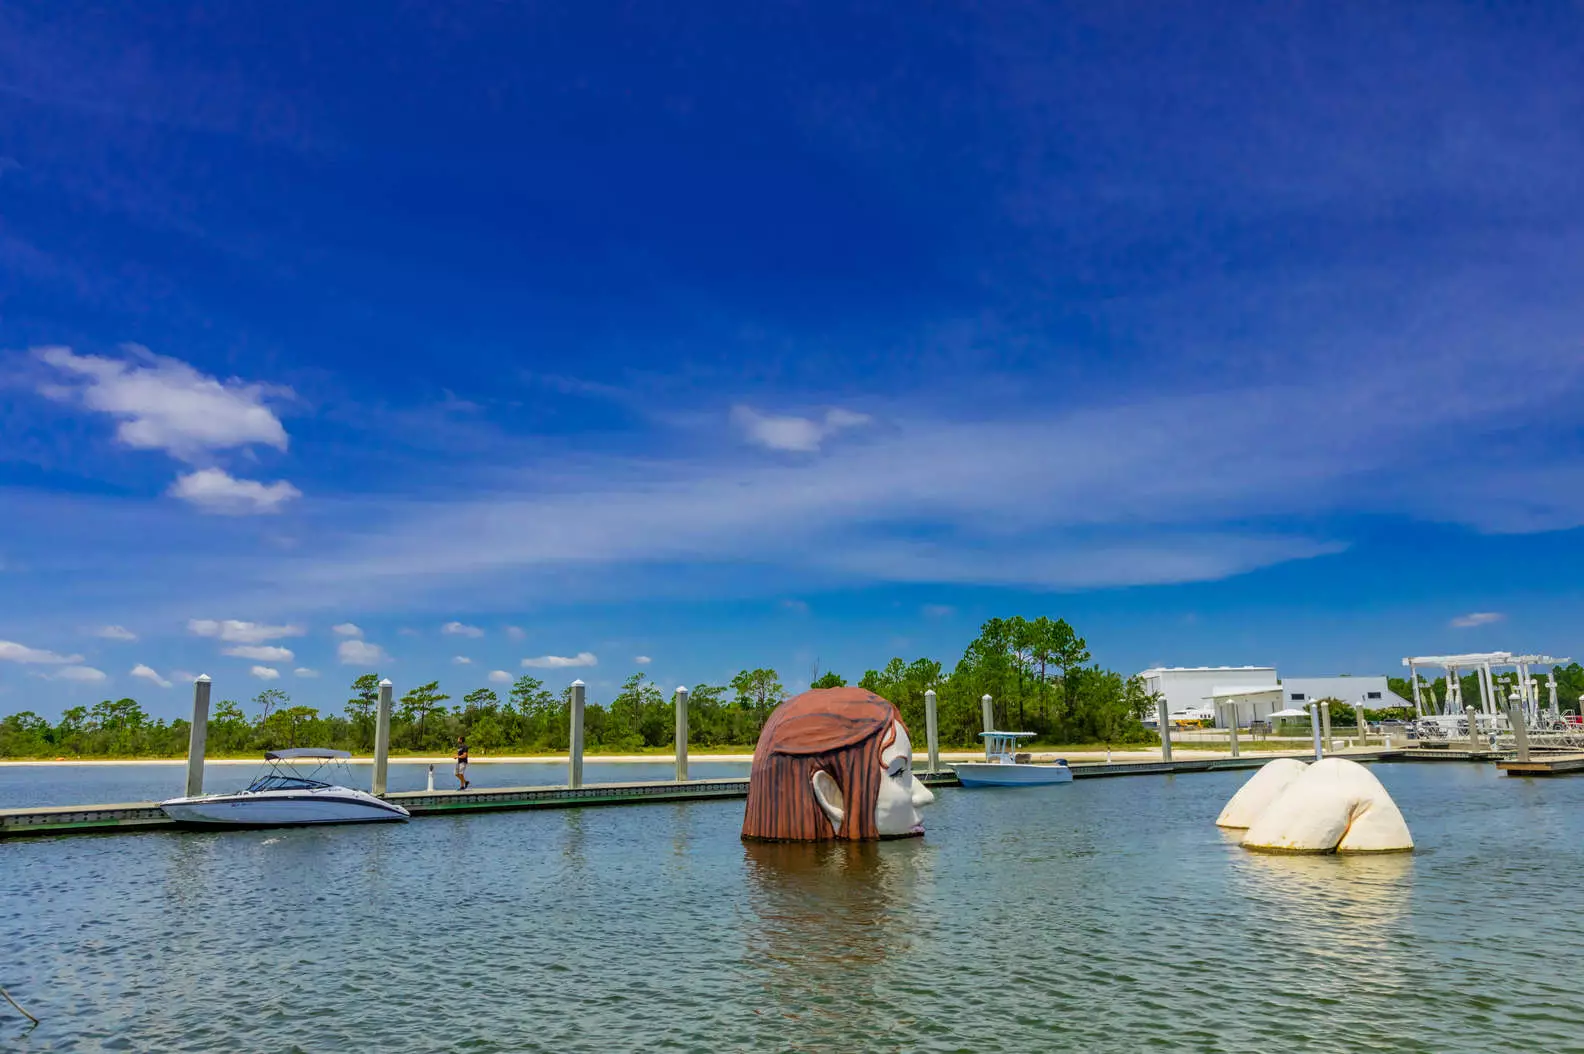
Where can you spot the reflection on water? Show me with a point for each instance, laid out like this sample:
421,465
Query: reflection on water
1103,915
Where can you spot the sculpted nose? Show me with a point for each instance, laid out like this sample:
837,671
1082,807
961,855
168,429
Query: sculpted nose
922,795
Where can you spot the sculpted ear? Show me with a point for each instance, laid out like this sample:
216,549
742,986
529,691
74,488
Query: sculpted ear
829,796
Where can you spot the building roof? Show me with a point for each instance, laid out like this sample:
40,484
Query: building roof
1202,669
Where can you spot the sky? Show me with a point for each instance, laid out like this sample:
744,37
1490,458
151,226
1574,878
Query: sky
588,339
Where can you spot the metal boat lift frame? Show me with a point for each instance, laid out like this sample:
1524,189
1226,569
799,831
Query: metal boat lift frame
1482,663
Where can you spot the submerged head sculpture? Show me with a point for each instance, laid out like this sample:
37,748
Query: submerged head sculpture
834,763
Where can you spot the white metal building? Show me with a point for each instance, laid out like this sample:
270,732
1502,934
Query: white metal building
1213,691
1371,691
1240,694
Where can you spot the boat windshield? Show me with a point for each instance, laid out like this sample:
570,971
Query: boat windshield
277,782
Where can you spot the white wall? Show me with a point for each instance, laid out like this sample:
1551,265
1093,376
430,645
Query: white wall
1189,688
1348,689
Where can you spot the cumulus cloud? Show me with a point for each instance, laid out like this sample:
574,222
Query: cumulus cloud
500,677
800,434
461,660
115,633
560,662
1477,618
360,653
261,652
459,629
237,632
82,674
11,651
165,404
347,629
217,491
265,673
148,674
642,660
303,671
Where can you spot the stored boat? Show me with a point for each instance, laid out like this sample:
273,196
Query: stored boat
284,797
1002,769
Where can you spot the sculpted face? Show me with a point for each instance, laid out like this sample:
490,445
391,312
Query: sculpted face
898,798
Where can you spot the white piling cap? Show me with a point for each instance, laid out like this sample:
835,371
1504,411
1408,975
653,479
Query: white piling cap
386,683
929,691
682,688
985,698
202,677
577,684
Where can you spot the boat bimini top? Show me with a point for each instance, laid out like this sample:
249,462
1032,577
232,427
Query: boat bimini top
276,780
305,752
1002,742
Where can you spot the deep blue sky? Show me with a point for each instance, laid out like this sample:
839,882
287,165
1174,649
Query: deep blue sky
772,334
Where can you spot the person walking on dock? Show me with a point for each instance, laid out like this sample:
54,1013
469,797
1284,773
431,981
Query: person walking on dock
461,764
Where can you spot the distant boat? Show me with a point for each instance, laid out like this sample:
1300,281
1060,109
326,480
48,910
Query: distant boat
1002,769
283,797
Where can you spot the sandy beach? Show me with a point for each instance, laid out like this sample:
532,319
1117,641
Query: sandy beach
1131,756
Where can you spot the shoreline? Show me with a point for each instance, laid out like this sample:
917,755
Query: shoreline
1088,755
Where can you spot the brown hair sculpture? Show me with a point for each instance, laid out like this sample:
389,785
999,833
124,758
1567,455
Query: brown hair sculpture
839,731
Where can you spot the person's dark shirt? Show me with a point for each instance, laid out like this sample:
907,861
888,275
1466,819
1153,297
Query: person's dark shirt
461,753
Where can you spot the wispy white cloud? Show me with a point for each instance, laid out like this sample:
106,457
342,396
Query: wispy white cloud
500,677
560,662
938,610
115,633
303,671
515,632
642,660
360,653
348,629
11,651
1477,618
80,674
785,432
215,490
148,674
461,660
164,404
797,607
265,673
261,652
458,629
238,632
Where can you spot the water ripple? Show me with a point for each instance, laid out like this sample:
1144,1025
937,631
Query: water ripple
1100,916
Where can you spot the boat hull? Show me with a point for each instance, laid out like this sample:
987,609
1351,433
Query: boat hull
283,809
990,774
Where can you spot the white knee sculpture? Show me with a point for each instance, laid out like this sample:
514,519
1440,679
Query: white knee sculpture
1264,787
1334,805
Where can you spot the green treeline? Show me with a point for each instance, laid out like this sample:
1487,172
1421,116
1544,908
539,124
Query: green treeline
1038,671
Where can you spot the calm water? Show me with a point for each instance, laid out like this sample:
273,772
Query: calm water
23,786
1102,915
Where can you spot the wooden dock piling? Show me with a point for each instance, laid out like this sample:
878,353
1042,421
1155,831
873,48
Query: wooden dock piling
382,722
681,733
198,736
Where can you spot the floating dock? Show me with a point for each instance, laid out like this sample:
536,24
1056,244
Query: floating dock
1543,765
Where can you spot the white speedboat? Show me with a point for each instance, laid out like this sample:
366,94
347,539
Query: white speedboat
284,797
1000,768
